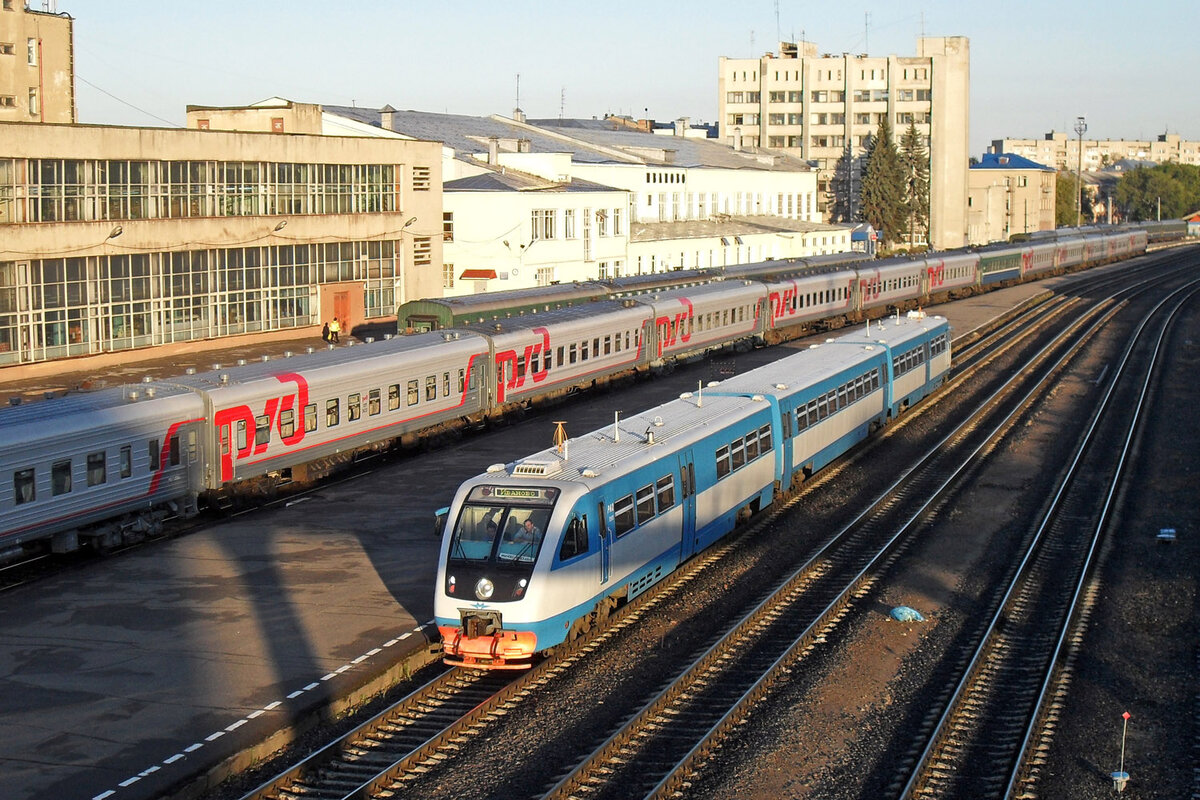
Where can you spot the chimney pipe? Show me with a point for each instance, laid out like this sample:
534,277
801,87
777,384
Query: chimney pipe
493,150
387,118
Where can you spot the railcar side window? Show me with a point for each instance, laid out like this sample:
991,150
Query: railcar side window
445,384
739,453
310,417
723,463
175,452
393,397
24,490
262,430
645,504
373,404
575,541
431,387
353,407
666,492
60,477
623,519
287,422
97,468
414,393
126,461
462,380
332,412
153,451
764,439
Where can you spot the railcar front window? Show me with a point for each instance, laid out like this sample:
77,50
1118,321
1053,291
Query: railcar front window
494,528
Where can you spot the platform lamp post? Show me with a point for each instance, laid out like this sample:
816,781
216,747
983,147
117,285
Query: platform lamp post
1080,130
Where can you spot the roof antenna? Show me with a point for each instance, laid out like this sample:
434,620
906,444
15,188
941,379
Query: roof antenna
616,426
560,438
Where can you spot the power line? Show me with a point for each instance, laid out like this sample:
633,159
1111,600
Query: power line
126,102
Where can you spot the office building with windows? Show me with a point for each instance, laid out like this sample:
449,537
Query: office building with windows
117,238
1009,195
820,107
1061,150
37,52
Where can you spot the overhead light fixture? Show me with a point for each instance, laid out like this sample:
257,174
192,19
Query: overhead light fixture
117,231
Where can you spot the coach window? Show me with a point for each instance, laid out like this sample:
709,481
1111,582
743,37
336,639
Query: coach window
24,490
393,397
560,360
353,407
175,451
241,443
607,345
575,541
666,492
645,504
583,350
126,461
373,404
262,430
764,439
574,353
287,422
152,451
60,477
462,380
310,417
623,519
445,384
332,414
414,393
739,453
723,464
596,347
431,387
751,446
97,468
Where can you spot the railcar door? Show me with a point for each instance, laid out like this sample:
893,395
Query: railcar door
687,494
605,544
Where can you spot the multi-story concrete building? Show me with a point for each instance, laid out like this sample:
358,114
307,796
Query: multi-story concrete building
1061,150
116,238
1008,195
37,74
817,107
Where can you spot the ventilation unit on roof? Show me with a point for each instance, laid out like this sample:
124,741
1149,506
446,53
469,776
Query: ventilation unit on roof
532,469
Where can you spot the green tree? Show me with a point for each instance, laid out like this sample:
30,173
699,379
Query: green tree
843,189
914,158
882,197
1175,188
1065,188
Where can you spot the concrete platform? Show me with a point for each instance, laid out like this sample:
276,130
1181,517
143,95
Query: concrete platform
126,678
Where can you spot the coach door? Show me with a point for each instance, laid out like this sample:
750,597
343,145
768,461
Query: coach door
687,495
605,544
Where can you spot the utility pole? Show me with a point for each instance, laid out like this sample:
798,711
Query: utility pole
1080,129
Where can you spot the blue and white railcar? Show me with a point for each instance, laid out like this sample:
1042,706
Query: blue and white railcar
891,284
831,396
611,513
793,301
544,354
691,321
98,467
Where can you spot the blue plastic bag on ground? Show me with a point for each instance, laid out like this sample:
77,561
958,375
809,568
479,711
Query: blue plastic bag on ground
906,614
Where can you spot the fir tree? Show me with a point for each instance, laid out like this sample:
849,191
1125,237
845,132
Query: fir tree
915,161
843,189
882,198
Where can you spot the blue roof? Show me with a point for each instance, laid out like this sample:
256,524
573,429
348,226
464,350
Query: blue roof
1009,161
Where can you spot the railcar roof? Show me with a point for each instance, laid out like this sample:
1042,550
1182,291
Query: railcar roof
595,457
322,358
827,359
488,301
80,405
586,312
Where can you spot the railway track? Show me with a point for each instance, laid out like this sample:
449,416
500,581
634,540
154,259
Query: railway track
980,746
754,650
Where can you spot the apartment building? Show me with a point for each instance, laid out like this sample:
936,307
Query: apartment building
37,75
818,107
1061,150
117,238
1009,195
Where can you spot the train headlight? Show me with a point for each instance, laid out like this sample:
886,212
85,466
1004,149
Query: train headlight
484,589
520,590
450,582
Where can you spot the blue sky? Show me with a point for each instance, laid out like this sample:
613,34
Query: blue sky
1034,66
